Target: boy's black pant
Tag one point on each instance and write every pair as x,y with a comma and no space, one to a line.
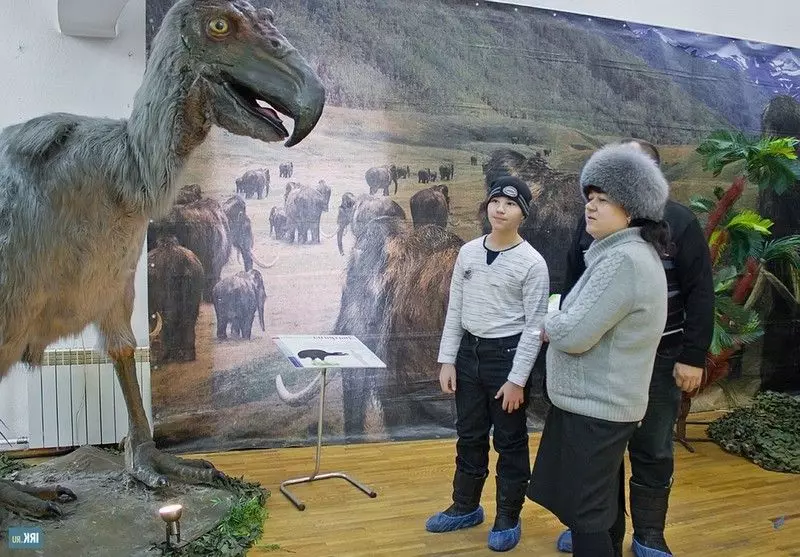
482,367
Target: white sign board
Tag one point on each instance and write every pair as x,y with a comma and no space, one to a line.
328,351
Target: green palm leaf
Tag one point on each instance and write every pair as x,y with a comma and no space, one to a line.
700,204
773,172
769,162
743,243
786,249
733,325
722,148
750,220
724,278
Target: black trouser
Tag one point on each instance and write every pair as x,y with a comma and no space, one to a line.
482,367
604,544
651,447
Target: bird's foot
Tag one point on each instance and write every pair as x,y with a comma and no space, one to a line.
154,468
38,502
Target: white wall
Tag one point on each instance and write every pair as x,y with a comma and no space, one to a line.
45,71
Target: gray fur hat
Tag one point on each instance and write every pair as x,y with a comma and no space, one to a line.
630,178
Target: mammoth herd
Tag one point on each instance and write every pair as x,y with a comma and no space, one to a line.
396,284
187,250
189,247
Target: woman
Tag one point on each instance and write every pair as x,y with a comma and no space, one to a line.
491,337
602,347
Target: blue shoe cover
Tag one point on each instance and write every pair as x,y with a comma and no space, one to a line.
643,551
503,540
441,522
564,542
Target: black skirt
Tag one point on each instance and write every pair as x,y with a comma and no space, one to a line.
579,473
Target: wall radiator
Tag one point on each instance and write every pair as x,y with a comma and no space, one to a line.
74,399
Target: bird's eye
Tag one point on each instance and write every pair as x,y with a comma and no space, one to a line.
219,26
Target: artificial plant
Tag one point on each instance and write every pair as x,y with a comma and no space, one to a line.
740,240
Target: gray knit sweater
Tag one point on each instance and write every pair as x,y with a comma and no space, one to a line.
603,341
498,300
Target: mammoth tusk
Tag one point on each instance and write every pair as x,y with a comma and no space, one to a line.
326,235
262,264
299,398
159,324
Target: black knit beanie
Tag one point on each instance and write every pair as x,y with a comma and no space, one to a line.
514,189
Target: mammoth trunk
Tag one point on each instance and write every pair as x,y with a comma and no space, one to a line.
247,259
261,317
339,236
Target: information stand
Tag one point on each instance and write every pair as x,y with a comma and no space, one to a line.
323,352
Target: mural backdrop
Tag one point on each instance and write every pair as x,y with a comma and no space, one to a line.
425,97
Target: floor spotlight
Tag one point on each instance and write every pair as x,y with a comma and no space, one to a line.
171,514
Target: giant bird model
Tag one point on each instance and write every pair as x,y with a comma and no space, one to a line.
77,194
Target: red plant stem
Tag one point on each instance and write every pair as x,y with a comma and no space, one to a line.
716,246
716,361
727,200
745,283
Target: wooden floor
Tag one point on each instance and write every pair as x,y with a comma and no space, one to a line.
722,505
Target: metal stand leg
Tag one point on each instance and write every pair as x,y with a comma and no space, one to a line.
316,475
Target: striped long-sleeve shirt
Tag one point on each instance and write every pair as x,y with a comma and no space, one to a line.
498,300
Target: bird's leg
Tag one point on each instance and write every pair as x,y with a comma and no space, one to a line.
142,460
27,500
39,502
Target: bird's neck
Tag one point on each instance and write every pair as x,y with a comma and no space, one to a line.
168,121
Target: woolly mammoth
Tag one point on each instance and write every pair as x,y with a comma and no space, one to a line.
446,171
356,212
395,300
174,290
201,227
188,194
286,169
236,300
288,189
277,222
304,207
254,182
241,231
325,191
379,178
430,206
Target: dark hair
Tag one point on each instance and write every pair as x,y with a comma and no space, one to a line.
657,234
483,209
647,146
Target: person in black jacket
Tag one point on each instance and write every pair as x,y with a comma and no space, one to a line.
679,364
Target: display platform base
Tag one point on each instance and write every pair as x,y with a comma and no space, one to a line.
113,514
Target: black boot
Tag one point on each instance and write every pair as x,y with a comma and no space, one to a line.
506,532
649,515
465,510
